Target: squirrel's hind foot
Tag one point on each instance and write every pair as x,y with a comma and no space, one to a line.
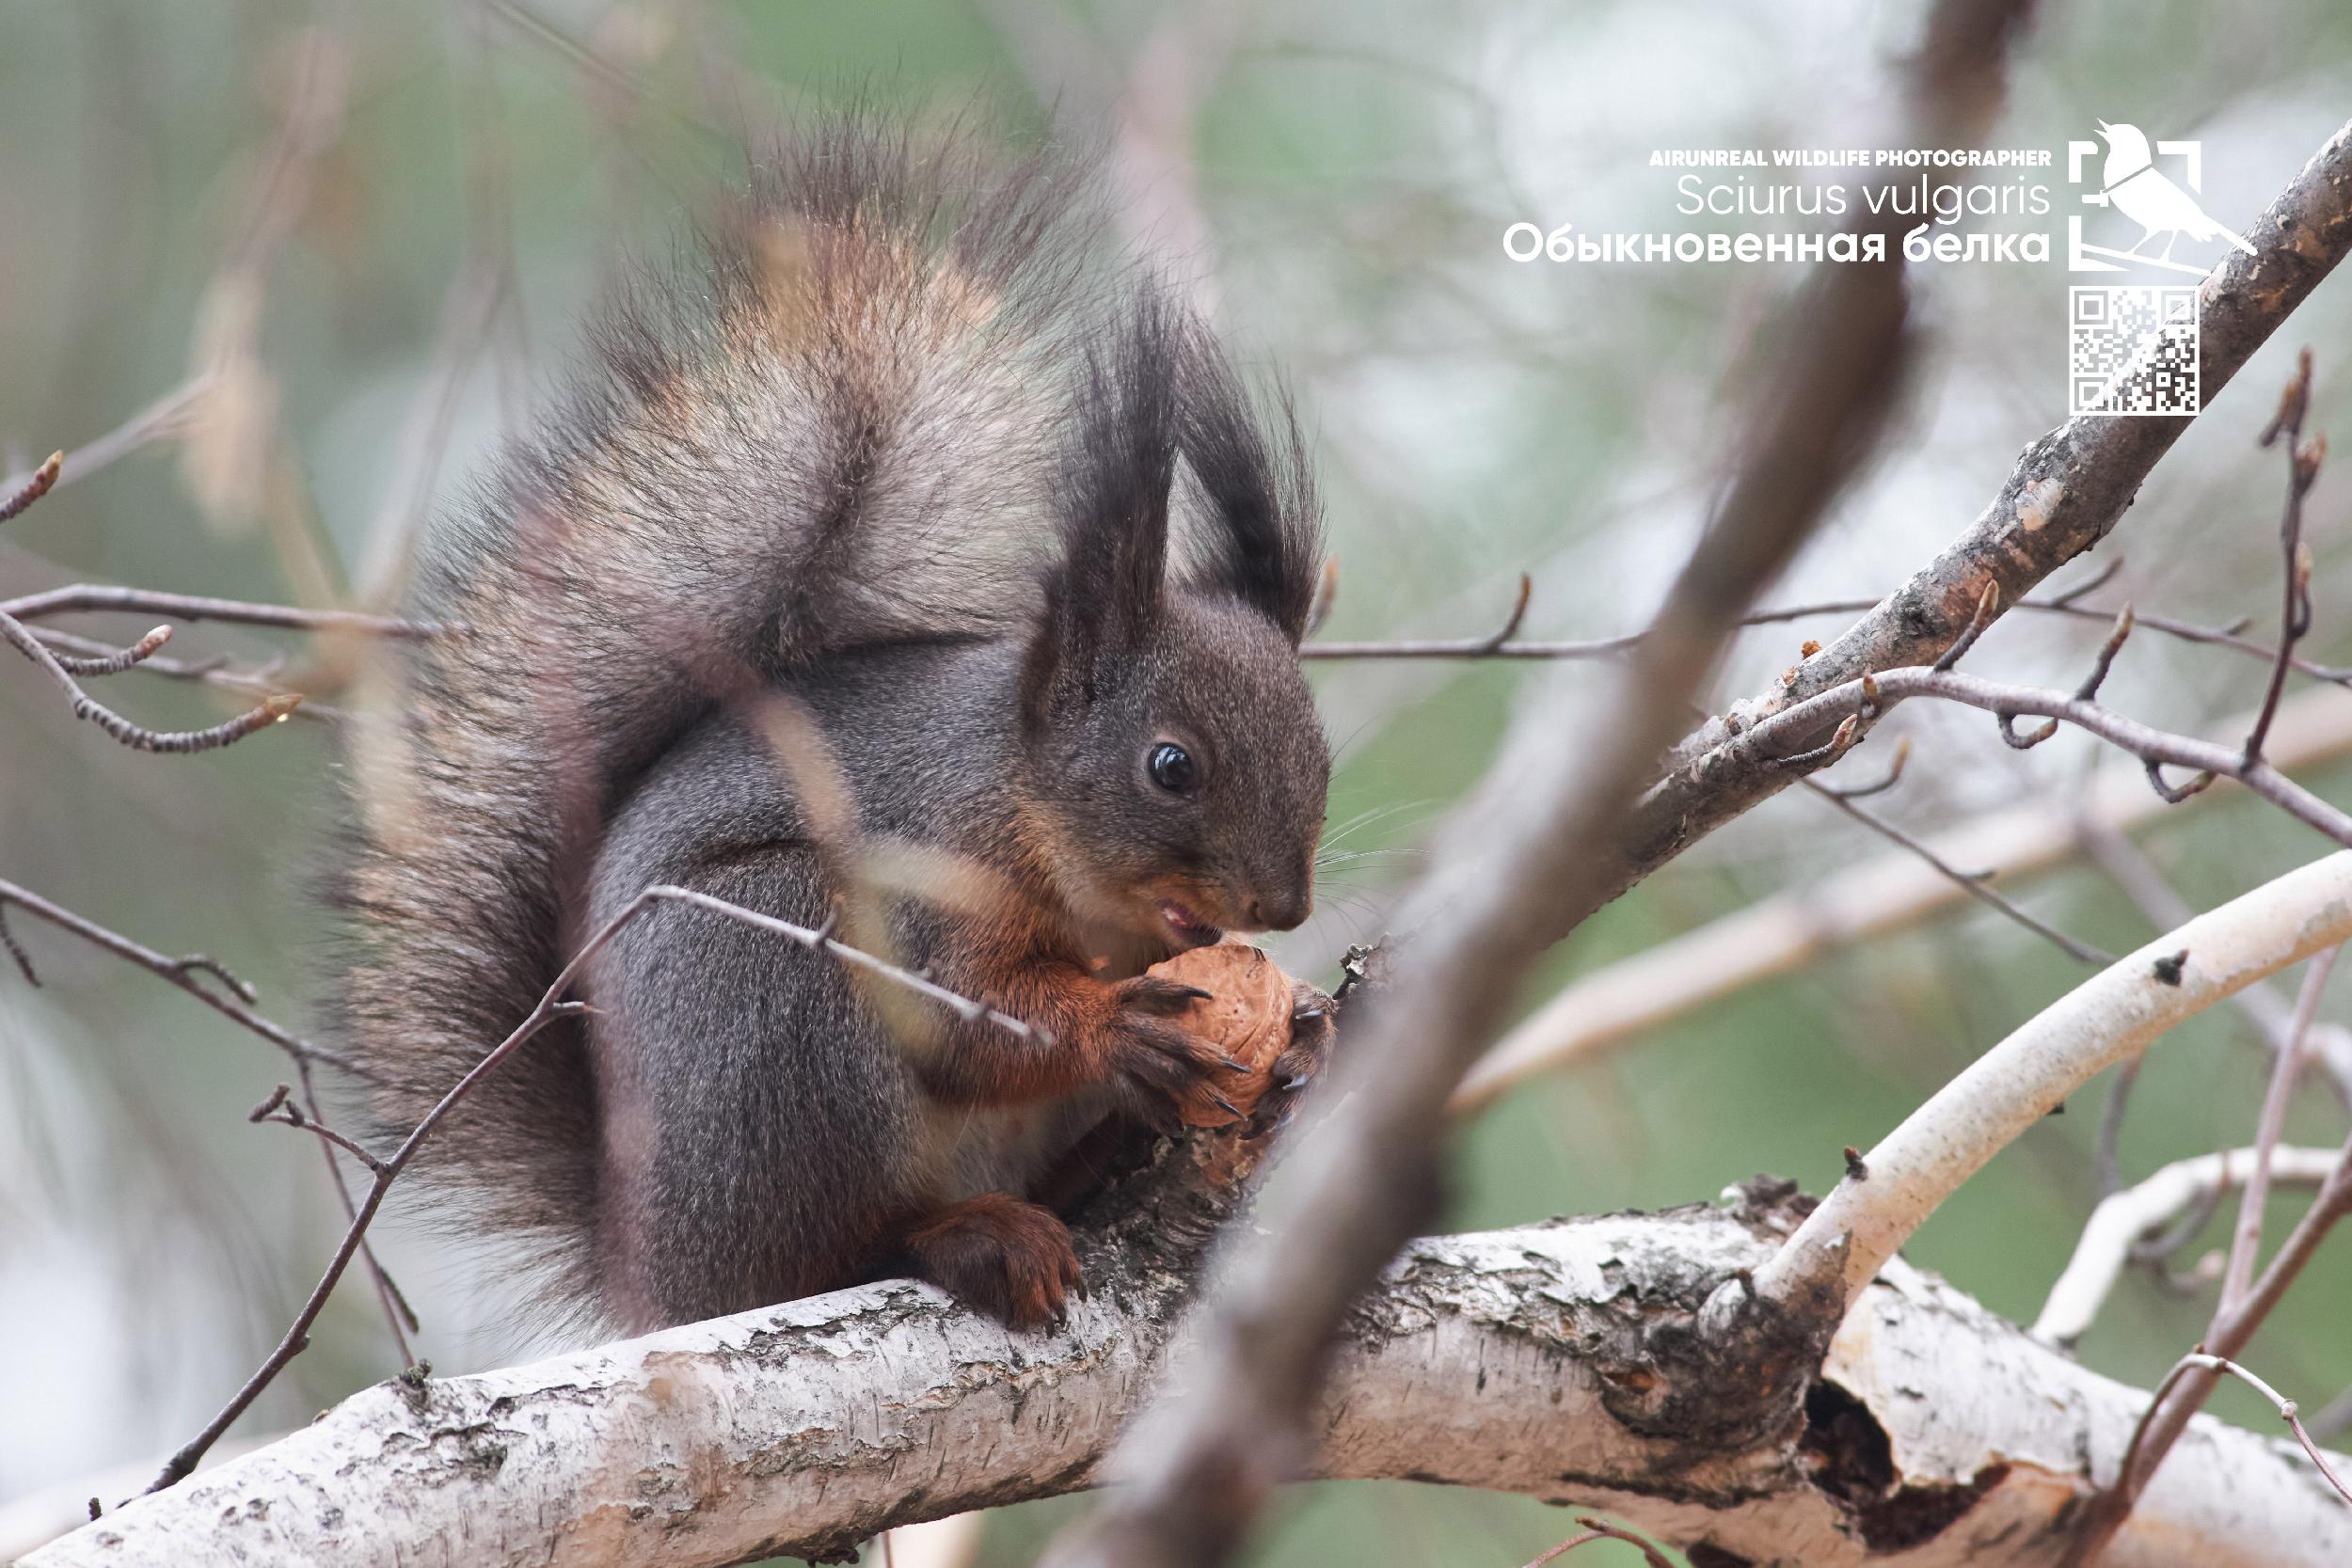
1000,1256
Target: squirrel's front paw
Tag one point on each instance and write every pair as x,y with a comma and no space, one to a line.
1310,1036
1179,1075
1233,1037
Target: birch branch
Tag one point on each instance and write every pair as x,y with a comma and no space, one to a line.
1516,1361
2109,1019
2123,1219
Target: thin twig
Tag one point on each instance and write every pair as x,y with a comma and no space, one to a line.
1988,604
2285,1070
2216,637
16,949
139,736
2091,584
180,972
211,671
1597,647
1843,739
102,661
399,1316
1863,792
1596,1529
2155,748
279,1108
64,669
1975,885
821,937
2286,1408
193,606
32,488
2303,461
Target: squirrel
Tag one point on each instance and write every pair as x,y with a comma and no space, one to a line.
897,567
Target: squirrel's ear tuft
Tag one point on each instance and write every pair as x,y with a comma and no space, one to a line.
1050,688
1266,543
1104,598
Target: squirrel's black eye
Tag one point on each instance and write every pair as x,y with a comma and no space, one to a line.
1173,769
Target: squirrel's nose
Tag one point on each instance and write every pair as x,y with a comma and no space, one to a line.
1281,911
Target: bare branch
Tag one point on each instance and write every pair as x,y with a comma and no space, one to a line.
2124,1223
2058,604
1973,885
2155,748
1776,935
2286,1408
1600,1530
33,488
105,661
2295,618
280,1109
2109,1019
1988,606
16,949
139,736
2066,598
1844,740
180,972
212,671
399,1317
83,596
64,669
1863,792
2286,1070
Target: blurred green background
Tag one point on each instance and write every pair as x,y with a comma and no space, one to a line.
374,294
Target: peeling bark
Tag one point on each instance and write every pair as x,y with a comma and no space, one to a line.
1554,1361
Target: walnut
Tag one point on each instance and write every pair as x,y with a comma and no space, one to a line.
1248,1013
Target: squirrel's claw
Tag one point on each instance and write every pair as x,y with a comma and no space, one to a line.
1297,1067
1154,997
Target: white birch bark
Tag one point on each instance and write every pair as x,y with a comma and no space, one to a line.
1513,1360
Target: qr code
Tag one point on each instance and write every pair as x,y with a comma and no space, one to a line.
2131,350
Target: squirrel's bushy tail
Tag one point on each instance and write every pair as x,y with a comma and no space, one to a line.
831,430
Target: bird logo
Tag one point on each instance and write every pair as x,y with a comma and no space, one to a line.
2133,185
